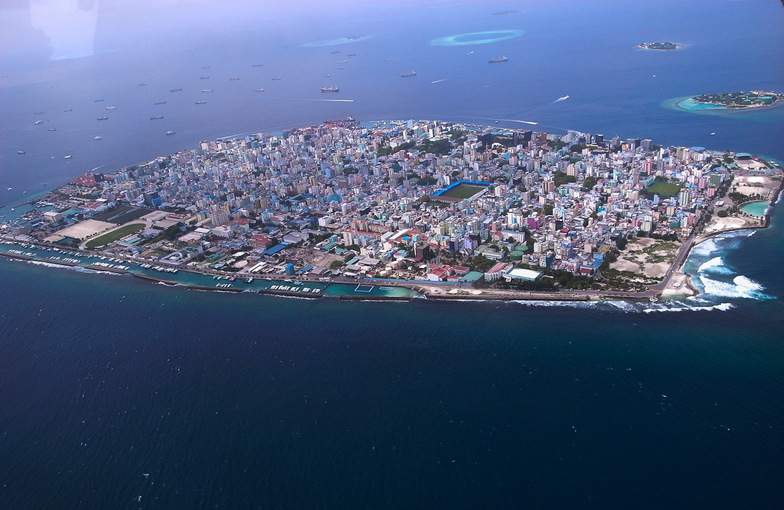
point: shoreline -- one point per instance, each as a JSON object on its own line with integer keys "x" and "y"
{"x": 675, "y": 284}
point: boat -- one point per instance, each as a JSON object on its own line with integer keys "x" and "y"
{"x": 19, "y": 152}
{"x": 160, "y": 102}
{"x": 52, "y": 129}
{"x": 97, "y": 100}
{"x": 276, "y": 78}
{"x": 408, "y": 74}
{"x": 234, "y": 79}
{"x": 39, "y": 113}
{"x": 206, "y": 90}
{"x": 68, "y": 110}
{"x": 67, "y": 157}
{"x": 258, "y": 90}
{"x": 175, "y": 90}
{"x": 142, "y": 84}
{"x": 39, "y": 122}
{"x": 111, "y": 107}
{"x": 157, "y": 117}
{"x": 204, "y": 77}
{"x": 102, "y": 118}
{"x": 206, "y": 67}
{"x": 257, "y": 65}
{"x": 98, "y": 138}
{"x": 201, "y": 102}
{"x": 330, "y": 89}
{"x": 502, "y": 58}
{"x": 170, "y": 132}
{"x": 342, "y": 61}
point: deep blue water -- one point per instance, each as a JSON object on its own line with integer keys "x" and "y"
{"x": 240, "y": 401}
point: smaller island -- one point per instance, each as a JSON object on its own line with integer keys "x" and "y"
{"x": 739, "y": 100}
{"x": 661, "y": 46}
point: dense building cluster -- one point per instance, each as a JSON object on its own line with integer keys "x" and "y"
{"x": 343, "y": 198}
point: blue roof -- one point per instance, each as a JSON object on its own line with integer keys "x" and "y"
{"x": 275, "y": 249}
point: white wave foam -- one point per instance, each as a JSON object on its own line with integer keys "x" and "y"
{"x": 568, "y": 304}
{"x": 724, "y": 307}
{"x": 714, "y": 265}
{"x": 705, "y": 248}
{"x": 740, "y": 287}
{"x": 747, "y": 284}
{"x": 624, "y": 306}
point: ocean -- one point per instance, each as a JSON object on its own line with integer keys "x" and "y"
{"x": 119, "y": 393}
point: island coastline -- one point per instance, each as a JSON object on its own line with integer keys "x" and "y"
{"x": 672, "y": 281}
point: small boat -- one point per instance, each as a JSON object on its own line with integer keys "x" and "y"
{"x": 157, "y": 117}
{"x": 234, "y": 79}
{"x": 170, "y": 132}
{"x": 97, "y": 100}
{"x": 98, "y": 138}
{"x": 102, "y": 118}
{"x": 52, "y": 129}
{"x": 67, "y": 157}
{"x": 258, "y": 90}
{"x": 68, "y": 110}
{"x": 39, "y": 122}
{"x": 142, "y": 84}
{"x": 111, "y": 107}
{"x": 408, "y": 74}
{"x": 201, "y": 102}
{"x": 175, "y": 90}
{"x": 206, "y": 90}
{"x": 276, "y": 78}
{"x": 330, "y": 89}
{"x": 19, "y": 152}
{"x": 502, "y": 58}
{"x": 160, "y": 102}
{"x": 39, "y": 113}
{"x": 204, "y": 77}
{"x": 257, "y": 65}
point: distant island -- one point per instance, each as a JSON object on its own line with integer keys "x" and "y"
{"x": 739, "y": 100}
{"x": 398, "y": 209}
{"x": 662, "y": 46}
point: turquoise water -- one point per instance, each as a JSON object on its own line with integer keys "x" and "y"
{"x": 755, "y": 208}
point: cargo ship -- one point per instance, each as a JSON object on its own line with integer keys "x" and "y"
{"x": 406, "y": 75}
{"x": 502, "y": 58}
{"x": 330, "y": 89}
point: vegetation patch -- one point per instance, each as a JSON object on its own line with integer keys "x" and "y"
{"x": 664, "y": 189}
{"x": 461, "y": 191}
{"x": 115, "y": 235}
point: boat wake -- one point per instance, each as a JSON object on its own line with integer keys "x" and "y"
{"x": 329, "y": 100}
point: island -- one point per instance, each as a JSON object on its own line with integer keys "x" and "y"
{"x": 402, "y": 209}
{"x": 661, "y": 46}
{"x": 739, "y": 100}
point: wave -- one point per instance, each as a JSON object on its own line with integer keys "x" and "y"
{"x": 724, "y": 307}
{"x": 566, "y": 304}
{"x": 740, "y": 287}
{"x": 715, "y": 265}
{"x": 747, "y": 284}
